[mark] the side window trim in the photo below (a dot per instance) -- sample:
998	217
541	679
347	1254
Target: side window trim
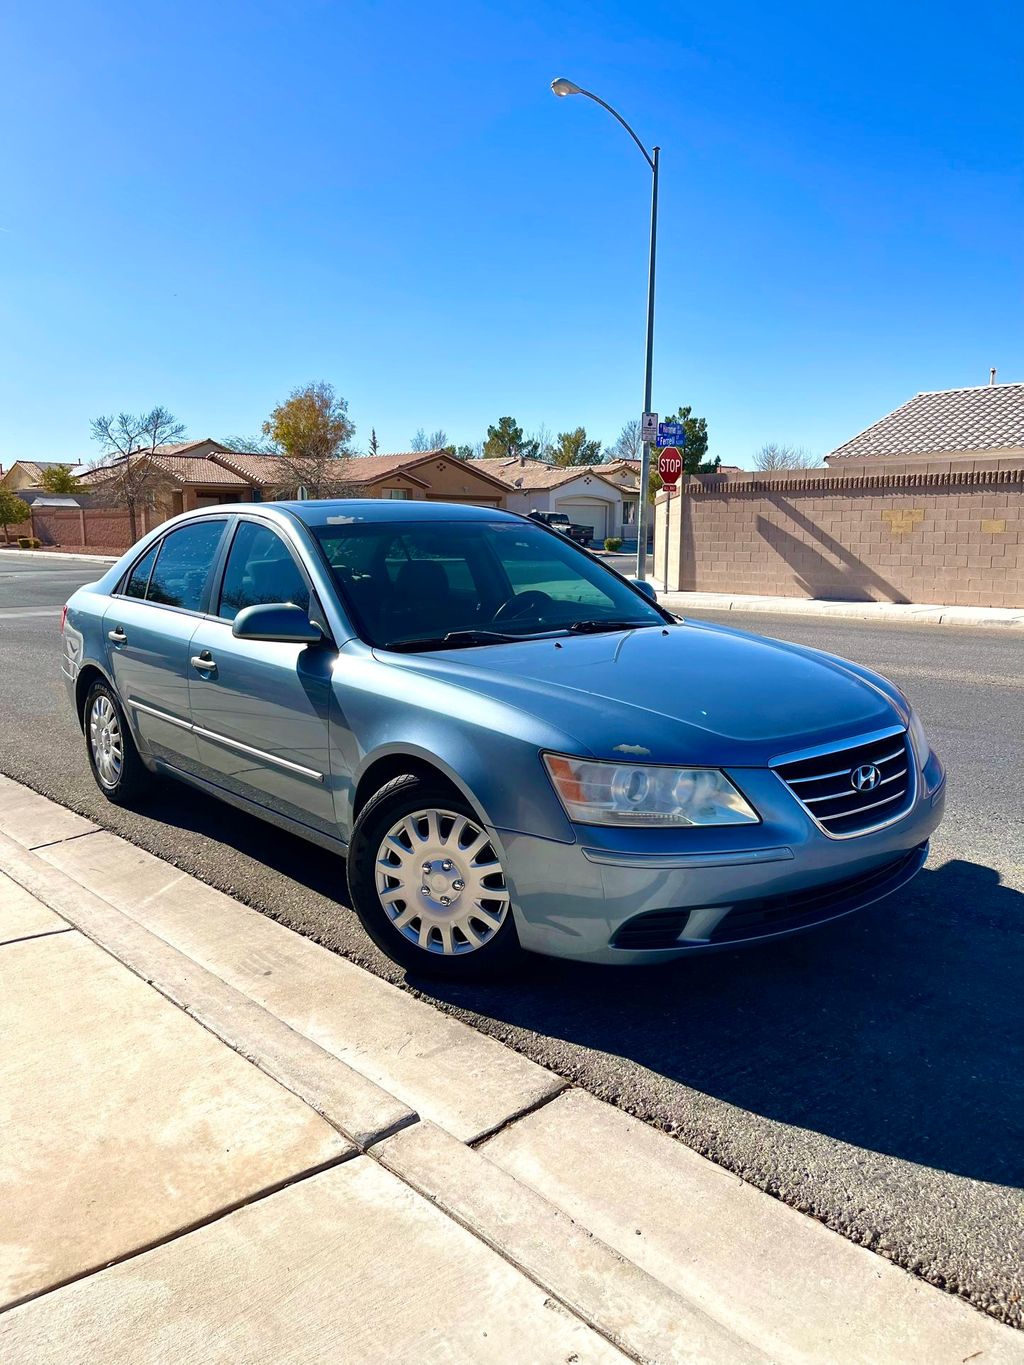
217	587
122	585
159	543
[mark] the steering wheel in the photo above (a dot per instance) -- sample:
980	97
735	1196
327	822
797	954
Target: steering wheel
520	605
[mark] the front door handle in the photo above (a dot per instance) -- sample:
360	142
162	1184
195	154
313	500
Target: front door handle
205	662
117	636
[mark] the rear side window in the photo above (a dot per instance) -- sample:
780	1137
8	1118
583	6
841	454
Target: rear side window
183	565
260	569
138	579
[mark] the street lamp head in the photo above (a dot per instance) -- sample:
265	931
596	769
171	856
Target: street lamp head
563	87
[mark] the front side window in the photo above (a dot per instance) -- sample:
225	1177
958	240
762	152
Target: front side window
411	582
260	570
183	565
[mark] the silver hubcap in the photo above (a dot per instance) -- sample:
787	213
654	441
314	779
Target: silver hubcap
105	741
440	882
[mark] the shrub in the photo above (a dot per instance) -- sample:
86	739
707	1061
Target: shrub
613	544
28	543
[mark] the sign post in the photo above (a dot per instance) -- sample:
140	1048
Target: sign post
670	467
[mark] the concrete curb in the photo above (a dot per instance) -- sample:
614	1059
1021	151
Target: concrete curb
59	554
360	1110
911	613
635	1311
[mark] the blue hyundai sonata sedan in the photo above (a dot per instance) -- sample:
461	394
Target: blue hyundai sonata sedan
513	747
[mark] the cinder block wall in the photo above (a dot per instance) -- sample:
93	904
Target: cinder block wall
945	532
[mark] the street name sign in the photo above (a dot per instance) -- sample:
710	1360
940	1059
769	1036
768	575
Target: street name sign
671	434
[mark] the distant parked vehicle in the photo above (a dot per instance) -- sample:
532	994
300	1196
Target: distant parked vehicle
558	521
513	746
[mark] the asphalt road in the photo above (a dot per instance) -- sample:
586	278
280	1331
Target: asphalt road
871	1073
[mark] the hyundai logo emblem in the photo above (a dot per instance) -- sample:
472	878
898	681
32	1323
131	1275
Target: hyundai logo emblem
865	778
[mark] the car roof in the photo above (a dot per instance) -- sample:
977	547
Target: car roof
327	511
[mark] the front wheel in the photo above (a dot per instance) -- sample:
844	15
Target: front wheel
119	771
428	885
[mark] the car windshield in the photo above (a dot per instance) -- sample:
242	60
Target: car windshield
414	584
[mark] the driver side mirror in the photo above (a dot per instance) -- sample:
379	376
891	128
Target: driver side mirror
646	588
281	622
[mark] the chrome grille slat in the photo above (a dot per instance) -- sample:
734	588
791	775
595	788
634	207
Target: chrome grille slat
840	809
840	796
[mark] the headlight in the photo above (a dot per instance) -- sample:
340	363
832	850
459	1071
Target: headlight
635	794
918	737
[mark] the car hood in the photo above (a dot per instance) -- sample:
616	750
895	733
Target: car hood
690	693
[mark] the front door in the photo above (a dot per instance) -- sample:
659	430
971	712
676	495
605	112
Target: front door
260	708
148	628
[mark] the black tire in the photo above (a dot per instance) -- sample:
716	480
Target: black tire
123	782
451	954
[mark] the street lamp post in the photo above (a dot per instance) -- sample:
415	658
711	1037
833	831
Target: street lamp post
563	87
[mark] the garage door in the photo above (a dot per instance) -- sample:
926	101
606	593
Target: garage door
592	514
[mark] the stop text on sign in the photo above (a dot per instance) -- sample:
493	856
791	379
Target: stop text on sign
670	465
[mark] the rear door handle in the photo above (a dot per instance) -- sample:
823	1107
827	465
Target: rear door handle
205	662
117	636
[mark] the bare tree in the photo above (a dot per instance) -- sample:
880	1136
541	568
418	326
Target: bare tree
629	446
312	431
772	456
437	440
129	473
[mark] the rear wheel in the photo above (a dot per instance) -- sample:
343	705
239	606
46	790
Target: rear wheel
428	885
119	771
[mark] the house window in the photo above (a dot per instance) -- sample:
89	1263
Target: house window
395	493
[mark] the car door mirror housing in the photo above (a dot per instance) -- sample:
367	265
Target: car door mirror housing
282	622
646	588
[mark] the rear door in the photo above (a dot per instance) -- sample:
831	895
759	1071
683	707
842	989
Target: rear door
260	708
148	627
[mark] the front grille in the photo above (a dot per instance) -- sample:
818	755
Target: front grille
825	787
771	914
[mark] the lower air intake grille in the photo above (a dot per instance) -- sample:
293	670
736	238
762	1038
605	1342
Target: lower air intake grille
855	787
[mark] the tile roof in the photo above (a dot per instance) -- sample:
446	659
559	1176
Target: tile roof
183	469
990	417
36	467
367	468
530	475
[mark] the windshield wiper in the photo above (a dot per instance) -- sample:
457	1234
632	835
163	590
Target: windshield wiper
592	627
455	639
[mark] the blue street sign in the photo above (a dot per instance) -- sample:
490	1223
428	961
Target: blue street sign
671	434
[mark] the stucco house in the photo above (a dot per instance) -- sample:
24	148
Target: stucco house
603	497
24	474
986	422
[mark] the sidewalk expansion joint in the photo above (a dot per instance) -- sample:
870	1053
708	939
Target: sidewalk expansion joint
178	1233
42	933
522	1113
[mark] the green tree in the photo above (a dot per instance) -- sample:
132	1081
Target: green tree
312	431
58	478
126	442
504	441
575	448
374	448
13	511
251	445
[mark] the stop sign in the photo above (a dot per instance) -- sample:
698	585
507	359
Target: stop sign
670	465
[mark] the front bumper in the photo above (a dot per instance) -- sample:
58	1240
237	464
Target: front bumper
705	890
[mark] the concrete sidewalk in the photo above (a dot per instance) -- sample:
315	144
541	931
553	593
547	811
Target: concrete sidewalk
904	613
221	1142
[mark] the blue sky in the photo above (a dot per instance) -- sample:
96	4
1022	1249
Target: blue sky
207	205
